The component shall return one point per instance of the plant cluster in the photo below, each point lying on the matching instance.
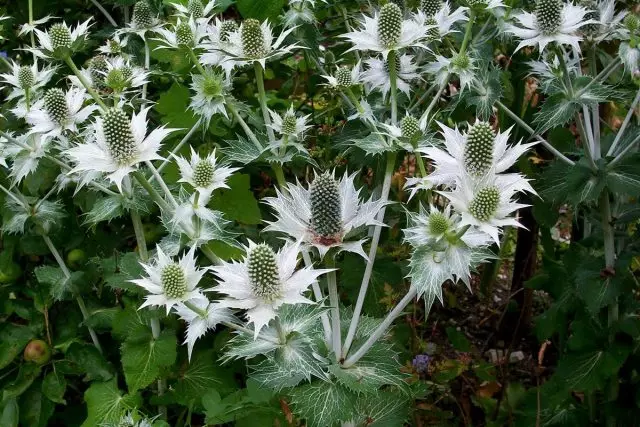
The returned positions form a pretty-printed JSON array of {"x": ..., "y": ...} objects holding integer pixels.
[{"x": 132, "y": 142}]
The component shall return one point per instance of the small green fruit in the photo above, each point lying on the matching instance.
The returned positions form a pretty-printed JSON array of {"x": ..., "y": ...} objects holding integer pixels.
[
  {"x": 76, "y": 258},
  {"x": 38, "y": 352}
]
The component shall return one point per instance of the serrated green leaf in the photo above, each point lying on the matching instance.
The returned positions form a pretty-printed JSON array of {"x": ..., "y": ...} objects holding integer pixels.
[
  {"x": 89, "y": 362},
  {"x": 556, "y": 111},
  {"x": 143, "y": 357},
  {"x": 26, "y": 376},
  {"x": 264, "y": 9},
  {"x": 372, "y": 144},
  {"x": 105, "y": 209},
  {"x": 200, "y": 376},
  {"x": 369, "y": 376},
  {"x": 130, "y": 321},
  {"x": 35, "y": 408},
  {"x": 241, "y": 150},
  {"x": 237, "y": 202},
  {"x": 173, "y": 105},
  {"x": 13, "y": 339},
  {"x": 120, "y": 269},
  {"x": 59, "y": 284},
  {"x": 458, "y": 340},
  {"x": 588, "y": 371},
  {"x": 598, "y": 290},
  {"x": 624, "y": 178},
  {"x": 323, "y": 404},
  {"x": 384, "y": 409},
  {"x": 54, "y": 387},
  {"x": 105, "y": 403}
]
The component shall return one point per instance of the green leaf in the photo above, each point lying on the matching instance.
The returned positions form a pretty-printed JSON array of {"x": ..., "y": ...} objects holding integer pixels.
[
  {"x": 590, "y": 371},
  {"x": 383, "y": 409},
  {"x": 200, "y": 376},
  {"x": 13, "y": 339},
  {"x": 241, "y": 150},
  {"x": 130, "y": 321},
  {"x": 237, "y": 202},
  {"x": 625, "y": 176},
  {"x": 372, "y": 144},
  {"x": 35, "y": 408},
  {"x": 556, "y": 111},
  {"x": 105, "y": 209},
  {"x": 10, "y": 414},
  {"x": 598, "y": 290},
  {"x": 458, "y": 340},
  {"x": 260, "y": 10},
  {"x": 89, "y": 361},
  {"x": 54, "y": 387},
  {"x": 143, "y": 357},
  {"x": 120, "y": 269},
  {"x": 173, "y": 105},
  {"x": 105, "y": 403},
  {"x": 370, "y": 375},
  {"x": 26, "y": 376},
  {"x": 323, "y": 404}
]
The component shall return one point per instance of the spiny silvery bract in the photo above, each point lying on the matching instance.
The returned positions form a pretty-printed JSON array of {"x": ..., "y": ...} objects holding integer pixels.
[
  {"x": 593, "y": 13},
  {"x": 430, "y": 7},
  {"x": 118, "y": 135},
  {"x": 441, "y": 23},
  {"x": 207, "y": 317},
  {"x": 549, "y": 15},
  {"x": 26, "y": 79},
  {"x": 169, "y": 282},
  {"x": 174, "y": 281},
  {"x": 326, "y": 206},
  {"x": 478, "y": 151},
  {"x": 143, "y": 15},
  {"x": 263, "y": 273},
  {"x": 389, "y": 24},
  {"x": 485, "y": 203},
  {"x": 288, "y": 124},
  {"x": 252, "y": 39},
  {"x": 377, "y": 76},
  {"x": 55, "y": 104},
  {"x": 409, "y": 127},
  {"x": 203, "y": 173}
]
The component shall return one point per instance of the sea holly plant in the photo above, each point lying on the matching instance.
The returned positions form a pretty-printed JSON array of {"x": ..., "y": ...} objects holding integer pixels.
[{"x": 201, "y": 188}]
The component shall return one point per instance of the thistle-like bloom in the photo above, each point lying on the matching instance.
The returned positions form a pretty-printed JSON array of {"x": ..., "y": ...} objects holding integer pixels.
[
  {"x": 377, "y": 75},
  {"x": 264, "y": 281},
  {"x": 408, "y": 133},
  {"x": 196, "y": 9},
  {"x": 289, "y": 125},
  {"x": 345, "y": 77},
  {"x": 202, "y": 173},
  {"x": 114, "y": 45},
  {"x": 300, "y": 12},
  {"x": 207, "y": 317},
  {"x": 169, "y": 282},
  {"x": 460, "y": 64},
  {"x": 325, "y": 215},
  {"x": 211, "y": 89},
  {"x": 144, "y": 20},
  {"x": 26, "y": 80},
  {"x": 118, "y": 145},
  {"x": 476, "y": 152},
  {"x": 442, "y": 21},
  {"x": 487, "y": 203},
  {"x": 25, "y": 161},
  {"x": 58, "y": 112},
  {"x": 253, "y": 42},
  {"x": 120, "y": 75},
  {"x": 184, "y": 33},
  {"x": 28, "y": 28},
  {"x": 552, "y": 21},
  {"x": 59, "y": 41},
  {"x": 444, "y": 249},
  {"x": 219, "y": 34},
  {"x": 608, "y": 22},
  {"x": 387, "y": 30}
]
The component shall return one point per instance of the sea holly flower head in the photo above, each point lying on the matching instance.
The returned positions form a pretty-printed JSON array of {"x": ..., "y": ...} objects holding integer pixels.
[
  {"x": 58, "y": 112},
  {"x": 25, "y": 78},
  {"x": 206, "y": 316},
  {"x": 144, "y": 20},
  {"x": 118, "y": 145},
  {"x": 377, "y": 76},
  {"x": 25, "y": 161},
  {"x": 387, "y": 30},
  {"x": 477, "y": 152},
  {"x": 114, "y": 45},
  {"x": 480, "y": 5},
  {"x": 288, "y": 124},
  {"x": 442, "y": 20},
  {"x": 552, "y": 22},
  {"x": 300, "y": 12},
  {"x": 430, "y": 7},
  {"x": 609, "y": 23},
  {"x": 345, "y": 77},
  {"x": 210, "y": 91},
  {"x": 169, "y": 282},
  {"x": 461, "y": 64},
  {"x": 185, "y": 33},
  {"x": 120, "y": 75},
  {"x": 59, "y": 41},
  {"x": 196, "y": 9},
  {"x": 264, "y": 281},
  {"x": 203, "y": 173},
  {"x": 324, "y": 215}
]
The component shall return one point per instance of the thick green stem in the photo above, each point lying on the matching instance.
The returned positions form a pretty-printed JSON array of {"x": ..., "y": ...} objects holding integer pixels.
[
  {"x": 85, "y": 83},
  {"x": 262, "y": 97},
  {"x": 191, "y": 306},
  {"x": 467, "y": 33},
  {"x": 33, "y": 39},
  {"x": 79, "y": 299},
  {"x": 196, "y": 61},
  {"x": 420, "y": 162},
  {"x": 332, "y": 285}
]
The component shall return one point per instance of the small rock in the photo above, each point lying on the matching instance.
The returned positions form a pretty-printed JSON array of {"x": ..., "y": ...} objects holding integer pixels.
[
  {"x": 495, "y": 356},
  {"x": 516, "y": 356},
  {"x": 496, "y": 298}
]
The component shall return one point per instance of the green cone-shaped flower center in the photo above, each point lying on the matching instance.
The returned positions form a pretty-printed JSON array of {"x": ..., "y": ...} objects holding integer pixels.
[
  {"x": 389, "y": 25},
  {"x": 434, "y": 31},
  {"x": 55, "y": 104},
  {"x": 343, "y": 77},
  {"x": 326, "y": 207},
  {"x": 114, "y": 47},
  {"x": 98, "y": 68},
  {"x": 438, "y": 223},
  {"x": 461, "y": 61},
  {"x": 632, "y": 22},
  {"x": 252, "y": 39},
  {"x": 593, "y": 13},
  {"x": 478, "y": 151},
  {"x": 184, "y": 35},
  {"x": 430, "y": 7},
  {"x": 396, "y": 64},
  {"x": 485, "y": 204},
  {"x": 226, "y": 28},
  {"x": 409, "y": 126},
  {"x": 174, "y": 281},
  {"x": 195, "y": 8},
  {"x": 402, "y": 4},
  {"x": 26, "y": 77},
  {"x": 289, "y": 124},
  {"x": 264, "y": 277},
  {"x": 116, "y": 79},
  {"x": 118, "y": 135},
  {"x": 212, "y": 85},
  {"x": 203, "y": 173},
  {"x": 142, "y": 15},
  {"x": 477, "y": 4},
  {"x": 549, "y": 15},
  {"x": 60, "y": 36}
]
